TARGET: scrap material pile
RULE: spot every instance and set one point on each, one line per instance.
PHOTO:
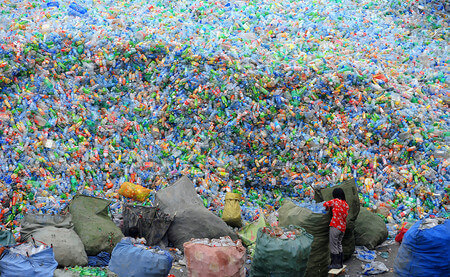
(269, 98)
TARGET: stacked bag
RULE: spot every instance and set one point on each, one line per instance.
(151, 223)
(317, 225)
(191, 218)
(279, 256)
(352, 199)
(128, 260)
(424, 249)
(216, 257)
(56, 231)
(29, 260)
(93, 224)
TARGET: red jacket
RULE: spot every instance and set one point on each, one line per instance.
(340, 211)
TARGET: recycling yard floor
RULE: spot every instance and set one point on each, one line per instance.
(354, 265)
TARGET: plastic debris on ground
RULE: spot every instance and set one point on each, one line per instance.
(89, 271)
(374, 268)
(384, 255)
(364, 254)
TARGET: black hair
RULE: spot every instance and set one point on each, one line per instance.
(133, 232)
(339, 193)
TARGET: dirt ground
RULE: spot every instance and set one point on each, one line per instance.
(354, 265)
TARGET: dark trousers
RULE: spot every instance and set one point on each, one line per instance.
(335, 240)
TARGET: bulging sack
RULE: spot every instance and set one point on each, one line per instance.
(40, 264)
(68, 248)
(316, 224)
(151, 223)
(370, 229)
(93, 225)
(128, 260)
(192, 219)
(197, 223)
(135, 192)
(281, 256)
(210, 260)
(232, 211)
(32, 222)
(424, 250)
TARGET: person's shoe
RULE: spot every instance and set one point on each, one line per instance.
(334, 261)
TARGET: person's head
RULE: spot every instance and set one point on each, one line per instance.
(339, 193)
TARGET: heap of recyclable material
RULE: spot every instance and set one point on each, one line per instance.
(271, 98)
(312, 206)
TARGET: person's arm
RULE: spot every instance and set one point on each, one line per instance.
(328, 204)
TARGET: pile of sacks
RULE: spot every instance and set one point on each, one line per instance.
(84, 234)
(363, 227)
(66, 240)
(179, 218)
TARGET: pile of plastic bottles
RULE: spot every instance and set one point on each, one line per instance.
(89, 271)
(27, 249)
(312, 206)
(268, 97)
(223, 241)
(283, 233)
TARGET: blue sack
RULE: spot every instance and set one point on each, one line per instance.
(42, 264)
(101, 260)
(424, 250)
(128, 260)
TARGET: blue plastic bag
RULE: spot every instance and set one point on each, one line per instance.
(424, 251)
(42, 264)
(128, 260)
(101, 260)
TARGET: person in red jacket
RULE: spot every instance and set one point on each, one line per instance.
(338, 224)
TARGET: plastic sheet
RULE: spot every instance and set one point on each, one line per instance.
(374, 268)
